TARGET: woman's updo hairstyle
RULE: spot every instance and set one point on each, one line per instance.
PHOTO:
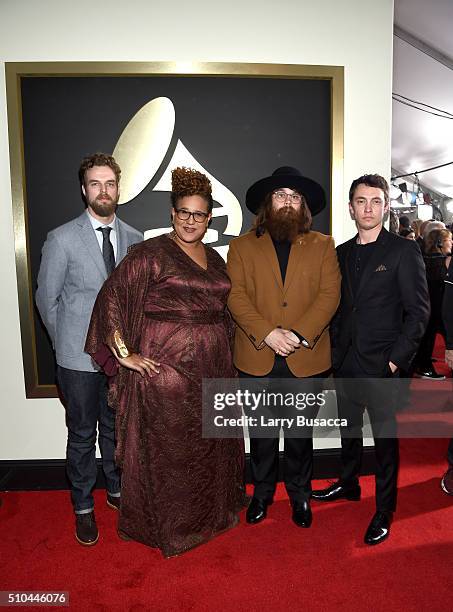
(188, 182)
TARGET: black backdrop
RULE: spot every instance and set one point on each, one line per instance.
(239, 129)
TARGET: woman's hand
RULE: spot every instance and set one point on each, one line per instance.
(138, 363)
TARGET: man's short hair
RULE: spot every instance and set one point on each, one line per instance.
(370, 180)
(98, 159)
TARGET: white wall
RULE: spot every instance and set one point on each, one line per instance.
(354, 33)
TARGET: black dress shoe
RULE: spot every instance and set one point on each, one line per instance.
(302, 514)
(337, 491)
(379, 528)
(113, 501)
(257, 510)
(429, 374)
(447, 482)
(87, 532)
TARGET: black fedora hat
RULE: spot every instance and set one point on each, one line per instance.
(286, 177)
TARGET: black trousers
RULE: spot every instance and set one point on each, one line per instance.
(298, 455)
(352, 400)
(85, 400)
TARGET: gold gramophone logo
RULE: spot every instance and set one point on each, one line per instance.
(140, 152)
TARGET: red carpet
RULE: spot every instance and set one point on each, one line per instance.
(270, 566)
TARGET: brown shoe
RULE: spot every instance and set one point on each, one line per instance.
(87, 532)
(113, 502)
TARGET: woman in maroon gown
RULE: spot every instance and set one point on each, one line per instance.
(163, 314)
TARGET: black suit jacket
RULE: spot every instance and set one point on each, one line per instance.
(387, 317)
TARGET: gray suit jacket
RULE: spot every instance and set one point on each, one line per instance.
(71, 274)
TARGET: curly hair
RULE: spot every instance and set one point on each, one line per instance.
(98, 159)
(188, 182)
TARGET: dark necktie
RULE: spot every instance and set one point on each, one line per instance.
(107, 249)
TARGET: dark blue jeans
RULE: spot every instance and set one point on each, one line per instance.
(85, 400)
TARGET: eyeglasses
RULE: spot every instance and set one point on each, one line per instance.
(282, 196)
(184, 215)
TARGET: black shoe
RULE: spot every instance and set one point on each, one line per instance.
(87, 532)
(337, 491)
(302, 514)
(447, 482)
(379, 528)
(113, 502)
(429, 374)
(257, 510)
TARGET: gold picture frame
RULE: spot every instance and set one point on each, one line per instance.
(15, 72)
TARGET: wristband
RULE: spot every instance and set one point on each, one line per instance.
(120, 347)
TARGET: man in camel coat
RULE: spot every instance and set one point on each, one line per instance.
(285, 290)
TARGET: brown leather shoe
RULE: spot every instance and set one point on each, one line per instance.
(87, 532)
(113, 502)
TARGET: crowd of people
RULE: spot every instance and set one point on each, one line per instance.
(137, 325)
(435, 242)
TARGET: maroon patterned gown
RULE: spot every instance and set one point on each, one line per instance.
(178, 489)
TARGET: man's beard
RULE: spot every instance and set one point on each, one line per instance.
(285, 223)
(105, 208)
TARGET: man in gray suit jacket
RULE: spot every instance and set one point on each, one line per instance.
(76, 259)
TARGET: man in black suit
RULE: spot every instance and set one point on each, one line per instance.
(376, 331)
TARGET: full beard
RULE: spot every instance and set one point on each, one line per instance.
(285, 223)
(104, 208)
